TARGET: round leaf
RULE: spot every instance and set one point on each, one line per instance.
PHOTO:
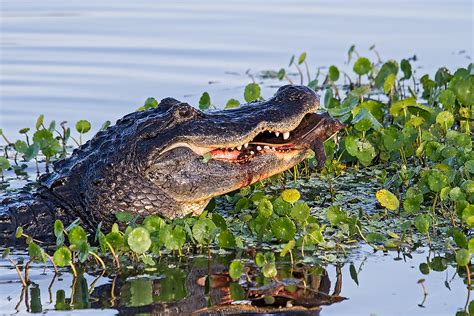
(300, 211)
(139, 240)
(77, 235)
(236, 269)
(265, 208)
(62, 256)
(226, 240)
(463, 257)
(387, 199)
(269, 270)
(422, 223)
(83, 126)
(204, 230)
(283, 229)
(252, 92)
(362, 66)
(290, 195)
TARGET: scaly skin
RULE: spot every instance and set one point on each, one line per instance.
(151, 162)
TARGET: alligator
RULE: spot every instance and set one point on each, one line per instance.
(172, 160)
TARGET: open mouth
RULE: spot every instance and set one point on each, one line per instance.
(312, 130)
(272, 142)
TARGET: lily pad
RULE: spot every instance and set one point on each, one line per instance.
(236, 269)
(362, 66)
(283, 229)
(387, 199)
(139, 240)
(290, 195)
(62, 256)
(300, 211)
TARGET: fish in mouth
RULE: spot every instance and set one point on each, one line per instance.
(172, 160)
(304, 136)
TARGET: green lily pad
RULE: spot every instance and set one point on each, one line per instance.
(115, 239)
(19, 232)
(300, 211)
(445, 119)
(232, 103)
(281, 207)
(62, 256)
(422, 223)
(58, 228)
(388, 68)
(389, 83)
(77, 235)
(283, 229)
(447, 99)
(83, 126)
(205, 101)
(437, 180)
(405, 66)
(139, 240)
(463, 257)
(252, 92)
(226, 240)
(153, 223)
(333, 73)
(204, 230)
(269, 270)
(291, 244)
(236, 269)
(36, 253)
(173, 238)
(335, 215)
(219, 220)
(265, 208)
(362, 66)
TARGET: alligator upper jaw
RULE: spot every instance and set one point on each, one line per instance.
(313, 128)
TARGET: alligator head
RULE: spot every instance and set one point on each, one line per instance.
(173, 159)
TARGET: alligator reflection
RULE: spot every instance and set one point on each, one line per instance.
(204, 289)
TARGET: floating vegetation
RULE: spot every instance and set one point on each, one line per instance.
(397, 178)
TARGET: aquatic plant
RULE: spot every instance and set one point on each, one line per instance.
(411, 136)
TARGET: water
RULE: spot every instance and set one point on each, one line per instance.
(387, 285)
(100, 60)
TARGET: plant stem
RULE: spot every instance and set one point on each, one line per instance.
(27, 269)
(363, 237)
(307, 71)
(18, 271)
(73, 269)
(52, 262)
(96, 256)
(117, 262)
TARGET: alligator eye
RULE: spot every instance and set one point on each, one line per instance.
(185, 111)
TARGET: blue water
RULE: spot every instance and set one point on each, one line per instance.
(98, 60)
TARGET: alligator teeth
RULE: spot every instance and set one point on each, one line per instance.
(277, 134)
(286, 135)
(239, 147)
(252, 152)
(259, 148)
(266, 147)
(246, 145)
